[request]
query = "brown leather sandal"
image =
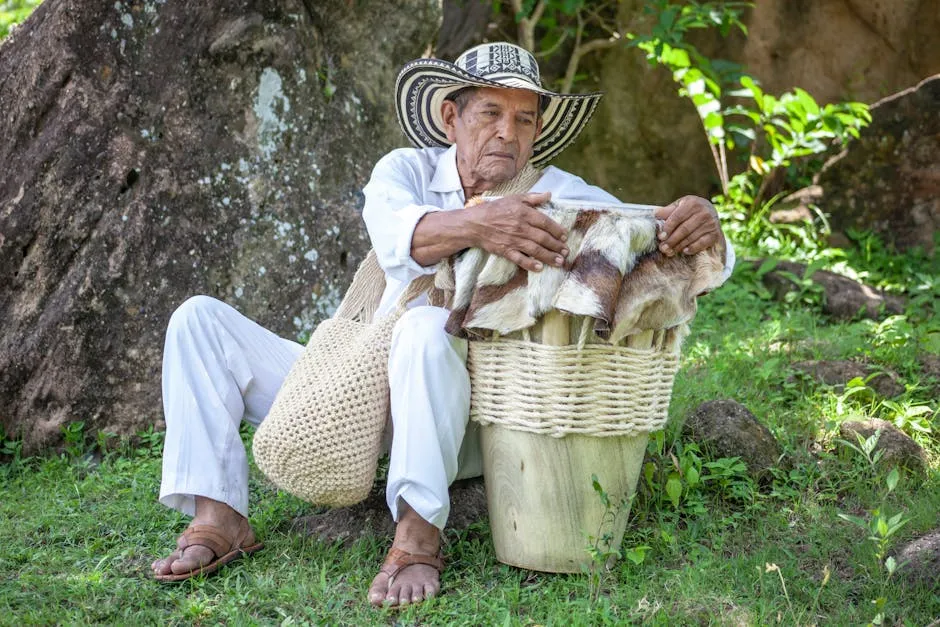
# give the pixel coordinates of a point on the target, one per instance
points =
(398, 560)
(224, 548)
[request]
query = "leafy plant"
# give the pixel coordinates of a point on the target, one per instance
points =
(151, 442)
(776, 130)
(674, 476)
(867, 448)
(730, 478)
(914, 419)
(881, 527)
(604, 548)
(11, 451)
(74, 435)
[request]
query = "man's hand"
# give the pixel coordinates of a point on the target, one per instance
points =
(691, 226)
(513, 228)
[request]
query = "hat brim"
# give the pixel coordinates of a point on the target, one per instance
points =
(424, 84)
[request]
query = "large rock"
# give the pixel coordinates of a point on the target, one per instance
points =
(150, 151)
(646, 143)
(726, 428)
(889, 179)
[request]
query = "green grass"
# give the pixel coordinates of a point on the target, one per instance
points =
(77, 536)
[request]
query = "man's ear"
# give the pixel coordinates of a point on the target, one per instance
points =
(449, 117)
(538, 127)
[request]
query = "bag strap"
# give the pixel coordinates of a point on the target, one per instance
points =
(365, 292)
(524, 180)
(415, 289)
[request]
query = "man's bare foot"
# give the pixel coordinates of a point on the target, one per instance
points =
(415, 548)
(208, 512)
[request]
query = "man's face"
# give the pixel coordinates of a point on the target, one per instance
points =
(494, 134)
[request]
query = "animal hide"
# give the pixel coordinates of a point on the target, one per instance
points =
(613, 274)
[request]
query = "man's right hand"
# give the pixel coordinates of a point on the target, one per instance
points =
(512, 227)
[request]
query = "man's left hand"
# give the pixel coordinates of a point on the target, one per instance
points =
(691, 226)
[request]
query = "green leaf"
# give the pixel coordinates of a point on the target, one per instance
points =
(769, 264)
(637, 554)
(891, 565)
(855, 520)
(892, 479)
(748, 83)
(676, 58)
(674, 489)
(692, 477)
(809, 104)
(882, 527)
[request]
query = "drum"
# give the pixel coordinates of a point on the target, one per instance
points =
(571, 370)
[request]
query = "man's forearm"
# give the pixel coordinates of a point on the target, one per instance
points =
(440, 234)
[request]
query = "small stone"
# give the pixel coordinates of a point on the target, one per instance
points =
(726, 428)
(919, 560)
(838, 372)
(899, 449)
(843, 298)
(371, 517)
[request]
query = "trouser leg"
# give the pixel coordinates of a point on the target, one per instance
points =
(430, 399)
(218, 368)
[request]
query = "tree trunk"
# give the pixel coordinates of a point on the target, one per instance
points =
(153, 150)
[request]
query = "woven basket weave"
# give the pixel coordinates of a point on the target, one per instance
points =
(321, 439)
(596, 389)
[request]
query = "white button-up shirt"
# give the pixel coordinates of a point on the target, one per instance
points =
(408, 183)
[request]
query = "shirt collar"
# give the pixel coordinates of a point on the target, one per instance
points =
(446, 178)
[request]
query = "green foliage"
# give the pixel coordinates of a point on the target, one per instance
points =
(604, 547)
(74, 436)
(13, 12)
(769, 133)
(881, 527)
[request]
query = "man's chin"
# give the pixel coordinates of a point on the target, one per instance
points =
(497, 175)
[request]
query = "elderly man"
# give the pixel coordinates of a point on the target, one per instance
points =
(477, 124)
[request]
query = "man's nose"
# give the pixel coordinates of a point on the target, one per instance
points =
(508, 129)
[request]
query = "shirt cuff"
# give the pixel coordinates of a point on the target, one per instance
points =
(408, 218)
(730, 259)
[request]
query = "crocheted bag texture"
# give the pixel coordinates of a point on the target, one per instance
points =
(322, 438)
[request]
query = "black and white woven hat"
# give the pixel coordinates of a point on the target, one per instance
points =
(424, 84)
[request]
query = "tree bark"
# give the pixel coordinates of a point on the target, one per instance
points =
(152, 150)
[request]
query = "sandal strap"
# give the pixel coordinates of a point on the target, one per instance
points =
(397, 560)
(208, 536)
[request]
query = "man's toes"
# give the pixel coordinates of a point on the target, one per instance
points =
(431, 589)
(403, 594)
(191, 559)
(163, 566)
(379, 589)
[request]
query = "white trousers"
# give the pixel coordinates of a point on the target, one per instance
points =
(220, 368)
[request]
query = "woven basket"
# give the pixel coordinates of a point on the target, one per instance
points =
(596, 389)
(557, 421)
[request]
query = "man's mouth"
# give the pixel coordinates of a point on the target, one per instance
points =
(501, 155)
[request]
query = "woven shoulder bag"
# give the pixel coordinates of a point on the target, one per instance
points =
(322, 438)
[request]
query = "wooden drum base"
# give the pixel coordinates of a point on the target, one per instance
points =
(541, 500)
